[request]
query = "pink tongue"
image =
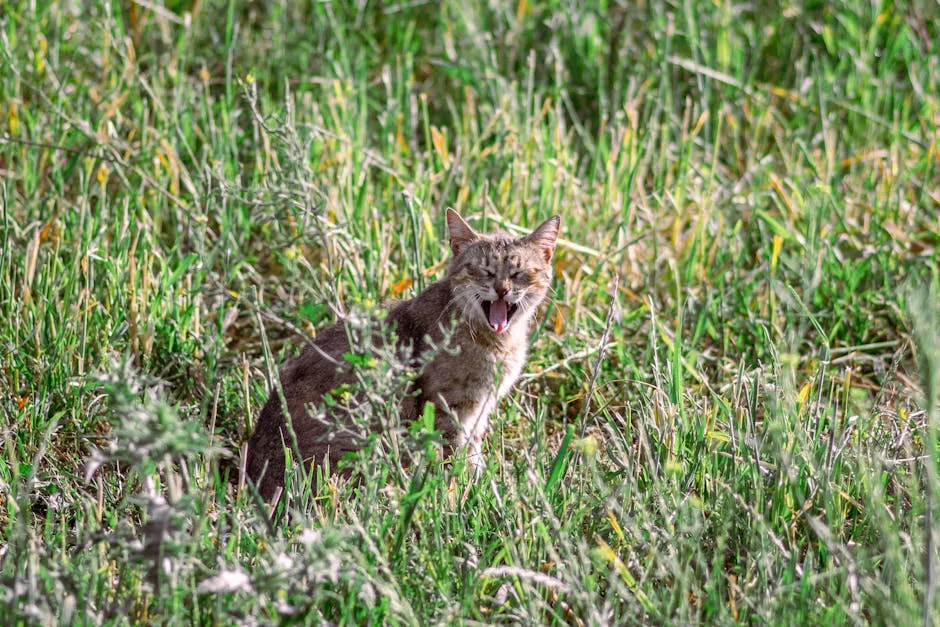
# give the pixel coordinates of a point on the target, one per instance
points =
(498, 315)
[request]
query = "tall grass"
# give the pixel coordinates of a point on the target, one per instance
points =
(730, 408)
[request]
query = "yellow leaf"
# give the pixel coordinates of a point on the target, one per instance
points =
(46, 230)
(604, 553)
(803, 395)
(400, 136)
(778, 243)
(13, 119)
(462, 195)
(172, 165)
(615, 525)
(293, 252)
(699, 123)
(41, 55)
(777, 185)
(587, 446)
(102, 175)
(428, 222)
(717, 435)
(398, 288)
(804, 392)
(440, 146)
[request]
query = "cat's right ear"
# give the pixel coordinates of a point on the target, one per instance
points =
(546, 235)
(459, 231)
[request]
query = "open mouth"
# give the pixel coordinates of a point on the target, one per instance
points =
(498, 312)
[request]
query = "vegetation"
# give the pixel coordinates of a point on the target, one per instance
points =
(730, 412)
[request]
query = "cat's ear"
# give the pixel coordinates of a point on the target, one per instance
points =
(459, 231)
(545, 236)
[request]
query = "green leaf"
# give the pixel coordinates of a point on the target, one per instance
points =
(560, 464)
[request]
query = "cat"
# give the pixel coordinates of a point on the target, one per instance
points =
(493, 285)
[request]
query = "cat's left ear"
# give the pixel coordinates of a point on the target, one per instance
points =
(459, 231)
(546, 235)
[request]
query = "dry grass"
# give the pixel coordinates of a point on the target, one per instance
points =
(755, 441)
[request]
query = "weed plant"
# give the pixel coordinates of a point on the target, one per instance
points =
(730, 410)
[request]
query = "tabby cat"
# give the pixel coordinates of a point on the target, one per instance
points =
(483, 307)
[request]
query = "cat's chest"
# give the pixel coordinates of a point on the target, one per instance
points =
(475, 372)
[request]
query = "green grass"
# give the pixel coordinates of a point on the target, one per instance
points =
(187, 192)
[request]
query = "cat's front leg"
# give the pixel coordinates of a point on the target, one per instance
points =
(475, 455)
(471, 445)
(474, 427)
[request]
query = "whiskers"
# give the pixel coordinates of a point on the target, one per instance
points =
(464, 301)
(447, 307)
(526, 308)
(474, 300)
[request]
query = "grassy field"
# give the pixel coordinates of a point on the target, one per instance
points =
(730, 412)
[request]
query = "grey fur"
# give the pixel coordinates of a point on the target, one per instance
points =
(463, 385)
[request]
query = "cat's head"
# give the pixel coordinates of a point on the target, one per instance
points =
(499, 280)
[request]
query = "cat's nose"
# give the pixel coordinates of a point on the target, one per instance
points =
(501, 290)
